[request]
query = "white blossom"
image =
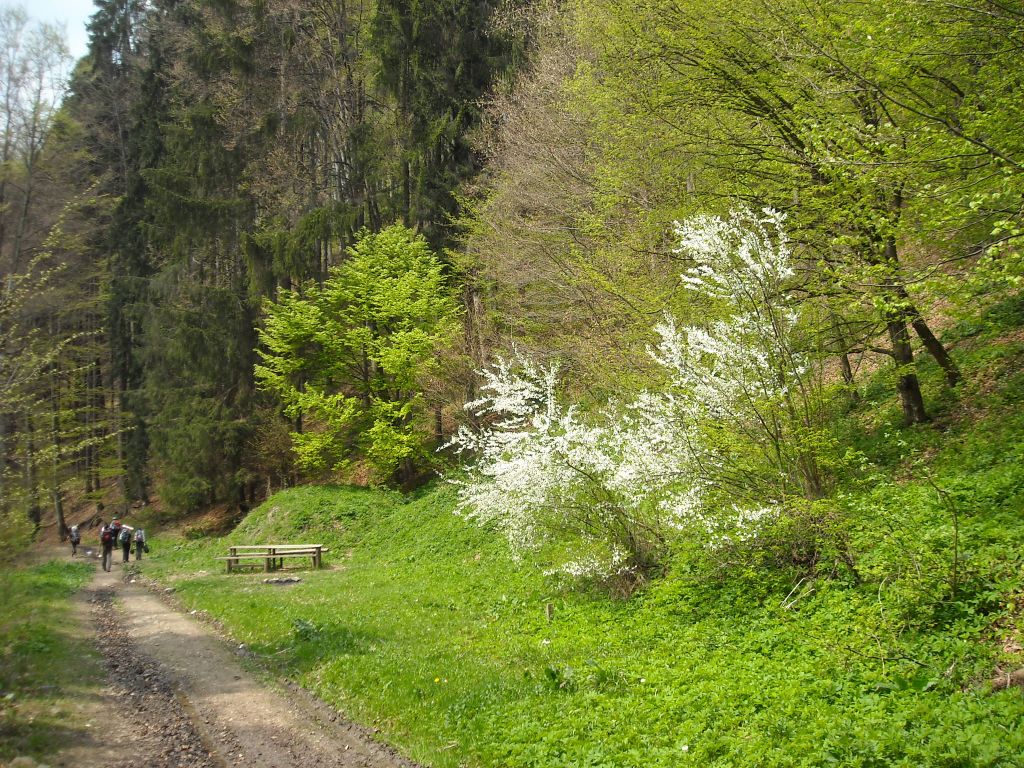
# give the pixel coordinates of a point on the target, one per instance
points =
(642, 468)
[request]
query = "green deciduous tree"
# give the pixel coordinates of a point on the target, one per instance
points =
(350, 360)
(854, 122)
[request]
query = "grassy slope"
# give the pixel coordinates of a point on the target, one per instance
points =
(427, 629)
(44, 667)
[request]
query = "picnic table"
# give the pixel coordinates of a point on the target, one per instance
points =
(273, 555)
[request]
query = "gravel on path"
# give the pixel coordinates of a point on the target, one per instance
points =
(177, 696)
(155, 727)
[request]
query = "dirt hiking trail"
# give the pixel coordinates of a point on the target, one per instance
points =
(177, 696)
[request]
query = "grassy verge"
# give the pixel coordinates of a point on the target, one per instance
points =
(43, 664)
(424, 627)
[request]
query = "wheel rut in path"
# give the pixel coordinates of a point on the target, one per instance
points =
(190, 702)
(151, 723)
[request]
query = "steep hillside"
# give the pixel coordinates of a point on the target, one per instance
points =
(425, 627)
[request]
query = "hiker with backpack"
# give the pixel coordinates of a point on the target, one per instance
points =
(76, 539)
(140, 543)
(107, 543)
(124, 538)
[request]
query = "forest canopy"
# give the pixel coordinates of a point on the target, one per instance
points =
(320, 240)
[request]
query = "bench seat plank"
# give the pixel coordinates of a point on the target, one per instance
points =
(277, 546)
(273, 555)
(264, 557)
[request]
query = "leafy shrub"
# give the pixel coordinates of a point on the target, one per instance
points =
(730, 445)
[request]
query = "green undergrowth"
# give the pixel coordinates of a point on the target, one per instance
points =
(425, 627)
(43, 665)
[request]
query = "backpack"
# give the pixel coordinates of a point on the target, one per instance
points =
(107, 535)
(140, 536)
(75, 536)
(124, 536)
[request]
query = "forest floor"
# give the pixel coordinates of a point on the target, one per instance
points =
(176, 695)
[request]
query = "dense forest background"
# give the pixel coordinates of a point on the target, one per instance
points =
(206, 157)
(256, 243)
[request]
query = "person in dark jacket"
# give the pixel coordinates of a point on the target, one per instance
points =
(107, 544)
(76, 538)
(124, 538)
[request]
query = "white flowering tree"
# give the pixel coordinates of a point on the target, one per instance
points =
(714, 452)
(607, 487)
(748, 369)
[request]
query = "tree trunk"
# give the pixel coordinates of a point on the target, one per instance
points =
(934, 346)
(35, 512)
(847, 370)
(931, 343)
(406, 473)
(844, 361)
(907, 384)
(84, 406)
(810, 477)
(3, 462)
(115, 402)
(19, 231)
(97, 410)
(406, 193)
(55, 489)
(58, 509)
(899, 311)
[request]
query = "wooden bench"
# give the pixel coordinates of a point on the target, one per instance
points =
(273, 555)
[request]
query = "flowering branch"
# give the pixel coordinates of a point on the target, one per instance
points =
(630, 476)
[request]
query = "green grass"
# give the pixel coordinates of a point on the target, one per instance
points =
(426, 628)
(42, 662)
(430, 632)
